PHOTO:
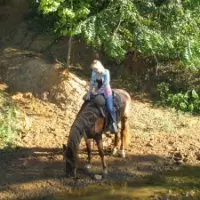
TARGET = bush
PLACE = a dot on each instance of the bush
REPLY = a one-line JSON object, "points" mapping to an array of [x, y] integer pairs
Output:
{"points": [[179, 78], [7, 121], [188, 101]]}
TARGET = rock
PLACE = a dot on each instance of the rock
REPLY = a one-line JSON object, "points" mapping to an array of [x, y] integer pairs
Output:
{"points": [[197, 156], [3, 86], [190, 193], [44, 96], [177, 156], [88, 166], [149, 144], [171, 142], [17, 96], [97, 177], [179, 162], [28, 95]]}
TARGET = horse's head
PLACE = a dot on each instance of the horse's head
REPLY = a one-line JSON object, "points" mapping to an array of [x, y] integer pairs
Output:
{"points": [[70, 166]]}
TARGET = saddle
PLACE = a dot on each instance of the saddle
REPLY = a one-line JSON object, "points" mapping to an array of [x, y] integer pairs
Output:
{"points": [[100, 102]]}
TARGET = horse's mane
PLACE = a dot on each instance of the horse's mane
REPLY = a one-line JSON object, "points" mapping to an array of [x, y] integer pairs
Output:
{"points": [[87, 116], [83, 122]]}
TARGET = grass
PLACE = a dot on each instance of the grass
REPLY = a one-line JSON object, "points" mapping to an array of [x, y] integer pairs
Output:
{"points": [[7, 121]]}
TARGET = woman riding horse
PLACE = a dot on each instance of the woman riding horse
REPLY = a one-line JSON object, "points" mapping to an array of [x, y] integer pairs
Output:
{"points": [[89, 122], [100, 82]]}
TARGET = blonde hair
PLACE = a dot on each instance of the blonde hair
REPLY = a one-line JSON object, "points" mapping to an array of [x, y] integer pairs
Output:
{"points": [[97, 66]]}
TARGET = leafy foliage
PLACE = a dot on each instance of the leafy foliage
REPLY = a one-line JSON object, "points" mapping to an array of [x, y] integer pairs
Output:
{"points": [[166, 29], [188, 101], [179, 78]]}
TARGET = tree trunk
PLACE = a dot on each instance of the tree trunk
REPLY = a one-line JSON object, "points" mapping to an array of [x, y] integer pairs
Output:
{"points": [[69, 52]]}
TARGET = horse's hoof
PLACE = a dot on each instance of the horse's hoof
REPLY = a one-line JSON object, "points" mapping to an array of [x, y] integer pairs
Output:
{"points": [[88, 166], [114, 151], [122, 153]]}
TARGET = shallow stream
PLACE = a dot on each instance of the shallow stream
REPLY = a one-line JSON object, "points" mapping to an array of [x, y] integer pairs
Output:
{"points": [[127, 192]]}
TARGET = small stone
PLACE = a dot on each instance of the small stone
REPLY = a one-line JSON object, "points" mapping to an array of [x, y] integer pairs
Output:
{"points": [[3, 86], [149, 144], [179, 162], [17, 96], [98, 177], [171, 142], [197, 156], [178, 156], [28, 95], [88, 166], [44, 96]]}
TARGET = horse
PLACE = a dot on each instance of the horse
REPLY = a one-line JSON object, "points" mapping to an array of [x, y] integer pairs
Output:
{"points": [[90, 124]]}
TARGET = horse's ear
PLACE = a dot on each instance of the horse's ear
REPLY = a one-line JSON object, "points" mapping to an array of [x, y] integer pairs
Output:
{"points": [[64, 147]]}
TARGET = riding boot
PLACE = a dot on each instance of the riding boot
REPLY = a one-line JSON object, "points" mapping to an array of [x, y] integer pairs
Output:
{"points": [[111, 110], [114, 123], [114, 128]]}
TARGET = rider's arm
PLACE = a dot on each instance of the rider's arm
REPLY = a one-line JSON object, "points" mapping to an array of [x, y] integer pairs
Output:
{"points": [[92, 82]]}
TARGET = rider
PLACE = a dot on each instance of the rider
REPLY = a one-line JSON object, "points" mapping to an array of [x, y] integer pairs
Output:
{"points": [[100, 82]]}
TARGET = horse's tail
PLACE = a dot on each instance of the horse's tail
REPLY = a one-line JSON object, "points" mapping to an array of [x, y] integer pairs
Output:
{"points": [[126, 99], [126, 133], [127, 119]]}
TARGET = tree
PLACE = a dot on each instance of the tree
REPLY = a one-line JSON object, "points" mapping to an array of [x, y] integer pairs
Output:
{"points": [[164, 29]]}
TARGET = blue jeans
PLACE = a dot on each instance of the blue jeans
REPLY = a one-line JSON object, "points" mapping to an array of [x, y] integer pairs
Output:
{"points": [[110, 106]]}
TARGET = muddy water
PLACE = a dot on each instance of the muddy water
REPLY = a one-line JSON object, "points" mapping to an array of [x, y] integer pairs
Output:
{"points": [[113, 193]]}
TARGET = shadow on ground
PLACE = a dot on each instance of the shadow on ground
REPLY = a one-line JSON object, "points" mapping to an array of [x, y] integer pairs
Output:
{"points": [[24, 165]]}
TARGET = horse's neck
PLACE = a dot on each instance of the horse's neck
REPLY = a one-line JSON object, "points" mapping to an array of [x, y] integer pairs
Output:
{"points": [[87, 117], [73, 142]]}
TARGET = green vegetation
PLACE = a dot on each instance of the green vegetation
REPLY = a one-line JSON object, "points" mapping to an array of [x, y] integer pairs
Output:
{"points": [[7, 121], [165, 30], [188, 101]]}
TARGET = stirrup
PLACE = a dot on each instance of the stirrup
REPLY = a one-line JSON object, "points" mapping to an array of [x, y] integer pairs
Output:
{"points": [[114, 128]]}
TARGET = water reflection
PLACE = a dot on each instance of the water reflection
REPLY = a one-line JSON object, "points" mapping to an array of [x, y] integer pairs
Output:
{"points": [[112, 193]]}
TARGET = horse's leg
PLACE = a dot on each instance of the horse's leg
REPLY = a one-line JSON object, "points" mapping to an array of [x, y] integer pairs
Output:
{"points": [[88, 146], [124, 135], [116, 142], [99, 142]]}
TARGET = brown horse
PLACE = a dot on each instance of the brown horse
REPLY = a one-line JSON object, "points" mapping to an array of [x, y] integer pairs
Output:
{"points": [[90, 123]]}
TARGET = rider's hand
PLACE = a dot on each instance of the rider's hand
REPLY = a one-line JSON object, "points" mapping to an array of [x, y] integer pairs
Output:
{"points": [[94, 93], [87, 98]]}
